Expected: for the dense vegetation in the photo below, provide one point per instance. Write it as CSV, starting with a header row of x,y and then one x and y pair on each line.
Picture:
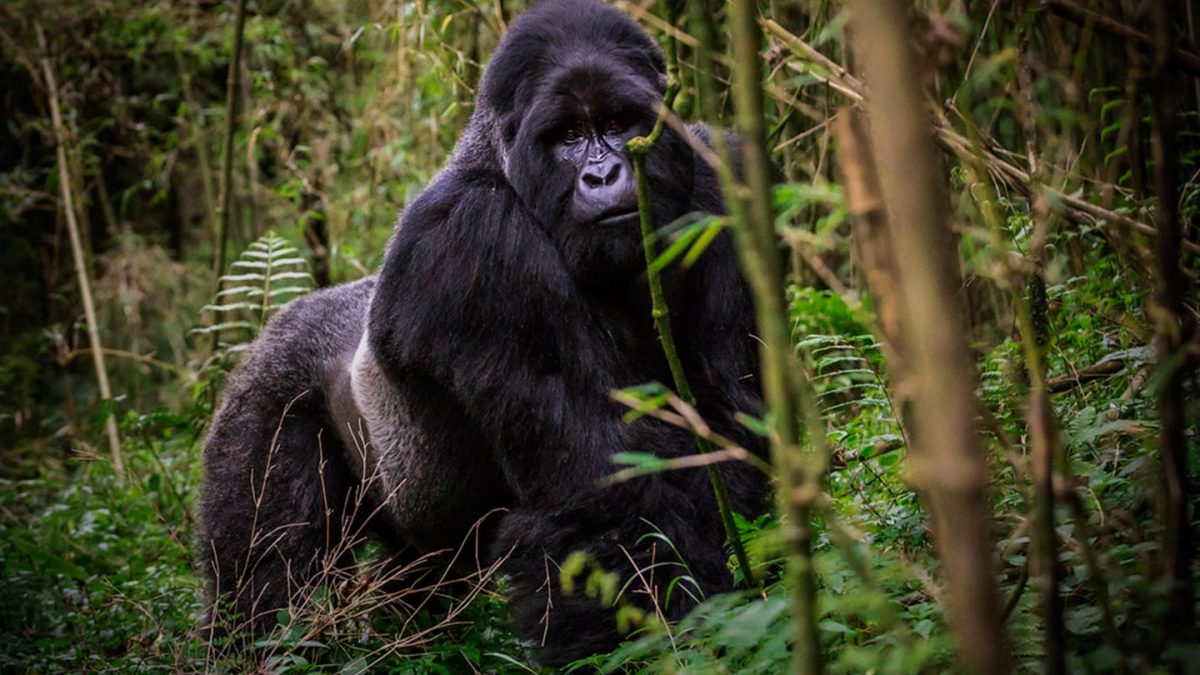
x,y
1057,142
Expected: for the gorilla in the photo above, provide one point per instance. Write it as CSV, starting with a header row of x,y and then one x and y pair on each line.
x,y
472,376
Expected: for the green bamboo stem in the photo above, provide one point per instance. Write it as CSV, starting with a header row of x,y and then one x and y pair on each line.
x,y
787,389
81,270
662,324
231,123
638,148
785,386
197,138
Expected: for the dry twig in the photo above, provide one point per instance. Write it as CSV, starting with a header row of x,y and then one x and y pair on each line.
x,y
85,288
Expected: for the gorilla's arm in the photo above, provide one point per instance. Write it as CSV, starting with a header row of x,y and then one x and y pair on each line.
x,y
474,297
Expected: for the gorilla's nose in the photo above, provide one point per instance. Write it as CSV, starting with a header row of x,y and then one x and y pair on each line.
x,y
604,180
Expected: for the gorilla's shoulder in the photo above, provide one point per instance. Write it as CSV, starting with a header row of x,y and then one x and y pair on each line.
x,y
457,182
460,197
291,353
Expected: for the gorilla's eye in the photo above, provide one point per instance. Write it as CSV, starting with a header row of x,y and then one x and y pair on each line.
x,y
616,126
571,135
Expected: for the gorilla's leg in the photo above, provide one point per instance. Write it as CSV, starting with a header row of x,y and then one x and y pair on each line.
x,y
275,510
280,505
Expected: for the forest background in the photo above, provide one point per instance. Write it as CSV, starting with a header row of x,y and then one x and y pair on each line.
x,y
986,450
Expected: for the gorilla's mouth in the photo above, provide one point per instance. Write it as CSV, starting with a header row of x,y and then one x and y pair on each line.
x,y
611,218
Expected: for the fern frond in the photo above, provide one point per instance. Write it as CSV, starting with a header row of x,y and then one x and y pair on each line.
x,y
270,272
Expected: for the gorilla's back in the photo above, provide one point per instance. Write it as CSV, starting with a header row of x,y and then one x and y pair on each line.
x,y
303,343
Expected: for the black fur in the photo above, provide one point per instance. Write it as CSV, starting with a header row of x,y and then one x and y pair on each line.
x,y
482,357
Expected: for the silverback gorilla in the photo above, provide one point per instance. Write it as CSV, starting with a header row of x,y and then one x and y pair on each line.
x,y
479,362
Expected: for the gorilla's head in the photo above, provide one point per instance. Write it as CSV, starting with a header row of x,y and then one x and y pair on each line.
x,y
570,84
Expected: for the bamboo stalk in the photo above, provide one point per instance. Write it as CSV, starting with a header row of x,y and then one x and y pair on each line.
x,y
785,385
85,288
197,136
638,149
777,358
869,230
1173,330
1043,427
232,77
1044,439
947,452
662,324
231,123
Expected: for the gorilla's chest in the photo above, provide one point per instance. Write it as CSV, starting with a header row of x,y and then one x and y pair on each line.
x,y
625,318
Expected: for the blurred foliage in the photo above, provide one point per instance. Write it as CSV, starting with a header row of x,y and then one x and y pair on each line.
x,y
349,109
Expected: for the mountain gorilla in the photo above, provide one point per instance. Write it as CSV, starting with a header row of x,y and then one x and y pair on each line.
x,y
479,363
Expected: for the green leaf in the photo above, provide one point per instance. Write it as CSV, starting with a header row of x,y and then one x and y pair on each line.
x,y
830,626
1083,620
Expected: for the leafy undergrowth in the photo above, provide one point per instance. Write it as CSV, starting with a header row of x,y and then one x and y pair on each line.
x,y
96,574
99,576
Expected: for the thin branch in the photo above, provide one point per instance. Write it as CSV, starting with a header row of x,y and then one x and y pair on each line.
x,y
841,459
1044,439
1073,11
197,137
639,147
844,78
1043,425
232,112
1075,209
180,371
1097,371
685,416
85,288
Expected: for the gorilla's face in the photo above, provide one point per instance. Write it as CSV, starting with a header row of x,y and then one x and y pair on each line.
x,y
569,164
570,84
577,132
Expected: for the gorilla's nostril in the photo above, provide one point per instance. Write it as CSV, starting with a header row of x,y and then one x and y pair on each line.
x,y
614,173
